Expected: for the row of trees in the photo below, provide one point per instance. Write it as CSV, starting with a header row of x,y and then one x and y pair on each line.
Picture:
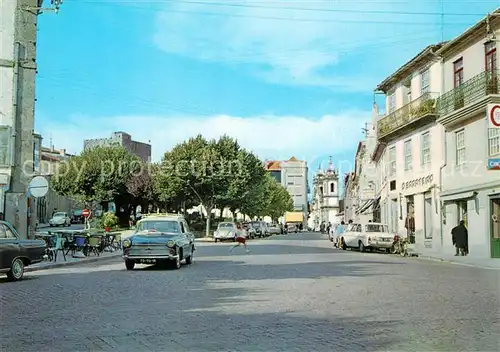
x,y
217,174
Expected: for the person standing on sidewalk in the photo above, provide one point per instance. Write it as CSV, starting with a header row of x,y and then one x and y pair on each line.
x,y
241,238
459,236
339,232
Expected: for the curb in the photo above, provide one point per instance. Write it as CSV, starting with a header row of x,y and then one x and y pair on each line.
x,y
207,240
442,260
64,264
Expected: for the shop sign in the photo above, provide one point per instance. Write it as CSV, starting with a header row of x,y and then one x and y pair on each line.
x,y
494,164
421,181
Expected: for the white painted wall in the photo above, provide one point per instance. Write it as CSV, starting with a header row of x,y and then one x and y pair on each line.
x,y
7,15
435,82
473,62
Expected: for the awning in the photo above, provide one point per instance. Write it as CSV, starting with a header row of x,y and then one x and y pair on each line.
x,y
458,196
365,206
294,217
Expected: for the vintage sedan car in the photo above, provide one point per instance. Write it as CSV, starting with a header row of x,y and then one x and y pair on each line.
x,y
160,239
275,229
251,233
225,231
368,236
261,228
17,253
60,219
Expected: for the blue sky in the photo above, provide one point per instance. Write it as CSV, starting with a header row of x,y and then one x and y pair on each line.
x,y
284,77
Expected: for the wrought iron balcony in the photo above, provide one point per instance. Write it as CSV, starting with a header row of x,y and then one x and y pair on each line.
x,y
399,121
470,91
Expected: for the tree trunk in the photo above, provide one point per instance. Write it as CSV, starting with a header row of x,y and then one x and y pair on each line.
x,y
209,218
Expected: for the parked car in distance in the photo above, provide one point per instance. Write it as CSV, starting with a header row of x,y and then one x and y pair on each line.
x,y
261,228
77,217
17,253
225,231
274,229
159,239
60,219
251,233
368,236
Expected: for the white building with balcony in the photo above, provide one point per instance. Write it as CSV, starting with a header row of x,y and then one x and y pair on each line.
x,y
409,151
470,186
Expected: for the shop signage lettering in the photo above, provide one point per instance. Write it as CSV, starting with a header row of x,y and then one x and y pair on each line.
x,y
417,182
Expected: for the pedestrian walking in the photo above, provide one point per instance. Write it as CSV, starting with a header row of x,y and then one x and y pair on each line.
x,y
460,236
339,231
241,238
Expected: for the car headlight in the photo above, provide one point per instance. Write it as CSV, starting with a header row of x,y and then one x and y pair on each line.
x,y
170,243
127,243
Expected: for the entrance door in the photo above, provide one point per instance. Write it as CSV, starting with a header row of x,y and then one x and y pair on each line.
x,y
495,228
428,217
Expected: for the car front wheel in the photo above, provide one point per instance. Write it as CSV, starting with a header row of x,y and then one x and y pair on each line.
x,y
16,271
129,264
189,260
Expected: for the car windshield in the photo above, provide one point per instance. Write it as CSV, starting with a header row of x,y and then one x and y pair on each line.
x,y
159,226
375,228
59,215
226,225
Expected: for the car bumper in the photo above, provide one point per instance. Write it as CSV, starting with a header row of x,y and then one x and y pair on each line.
x,y
149,257
384,245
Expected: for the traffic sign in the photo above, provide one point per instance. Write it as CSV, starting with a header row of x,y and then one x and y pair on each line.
x,y
493,115
38,187
86,213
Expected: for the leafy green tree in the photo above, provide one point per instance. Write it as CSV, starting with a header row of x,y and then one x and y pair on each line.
x,y
245,173
99,174
279,200
195,170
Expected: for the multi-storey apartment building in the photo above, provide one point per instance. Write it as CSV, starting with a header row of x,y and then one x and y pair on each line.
x,y
409,151
292,174
470,189
142,150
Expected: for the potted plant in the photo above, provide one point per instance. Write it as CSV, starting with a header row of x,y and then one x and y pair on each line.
x,y
109,220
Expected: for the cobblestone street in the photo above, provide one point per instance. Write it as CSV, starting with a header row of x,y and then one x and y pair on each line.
x,y
291,293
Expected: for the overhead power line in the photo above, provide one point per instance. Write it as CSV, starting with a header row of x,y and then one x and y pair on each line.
x,y
276,18
255,5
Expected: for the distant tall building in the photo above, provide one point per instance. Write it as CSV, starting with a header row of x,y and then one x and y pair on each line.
x,y
292,174
142,150
326,204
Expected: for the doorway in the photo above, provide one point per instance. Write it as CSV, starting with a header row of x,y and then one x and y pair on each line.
x,y
428,216
495,227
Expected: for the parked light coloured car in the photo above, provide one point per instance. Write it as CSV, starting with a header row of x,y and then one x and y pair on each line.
x,y
368,236
159,239
251,233
60,219
17,253
274,229
261,228
225,231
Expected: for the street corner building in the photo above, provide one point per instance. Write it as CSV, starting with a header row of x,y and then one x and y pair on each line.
x,y
468,109
437,142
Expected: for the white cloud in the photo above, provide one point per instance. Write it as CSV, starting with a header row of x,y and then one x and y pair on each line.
x,y
270,137
297,51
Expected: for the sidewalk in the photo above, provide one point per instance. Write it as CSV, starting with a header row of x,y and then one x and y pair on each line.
x,y
484,263
204,239
75,261
70,261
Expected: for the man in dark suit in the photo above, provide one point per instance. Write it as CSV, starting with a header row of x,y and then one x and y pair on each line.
x,y
460,236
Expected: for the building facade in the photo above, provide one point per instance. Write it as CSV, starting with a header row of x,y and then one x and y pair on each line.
x,y
292,174
18,36
470,188
326,202
409,151
142,150
50,159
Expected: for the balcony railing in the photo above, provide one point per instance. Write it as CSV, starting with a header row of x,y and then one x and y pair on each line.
x,y
409,113
470,91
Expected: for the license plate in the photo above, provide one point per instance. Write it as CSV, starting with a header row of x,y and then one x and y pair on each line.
x,y
148,261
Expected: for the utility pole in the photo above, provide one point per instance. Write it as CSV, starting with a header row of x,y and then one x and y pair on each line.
x,y
18,207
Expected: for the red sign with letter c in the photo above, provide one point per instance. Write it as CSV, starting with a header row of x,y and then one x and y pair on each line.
x,y
495,116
